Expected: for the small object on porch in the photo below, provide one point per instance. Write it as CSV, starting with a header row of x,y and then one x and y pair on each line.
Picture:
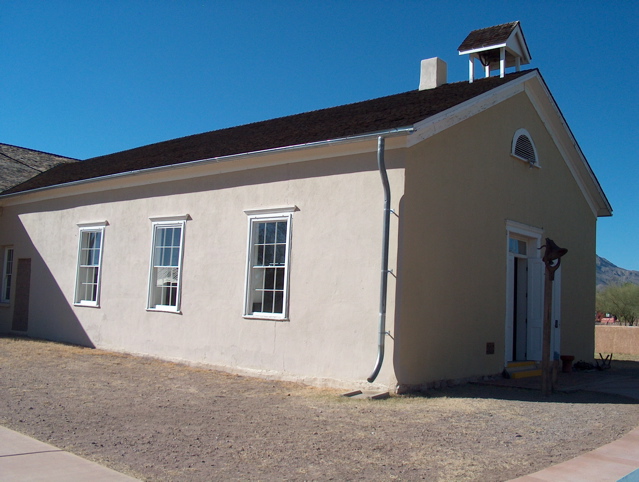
x,y
566,365
605,362
584,366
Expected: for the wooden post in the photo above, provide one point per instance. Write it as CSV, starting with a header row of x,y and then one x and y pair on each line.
x,y
546,377
552,260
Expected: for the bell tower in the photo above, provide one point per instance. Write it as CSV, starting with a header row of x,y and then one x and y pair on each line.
x,y
497,48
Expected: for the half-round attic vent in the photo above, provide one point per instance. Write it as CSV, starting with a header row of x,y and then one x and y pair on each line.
x,y
523,148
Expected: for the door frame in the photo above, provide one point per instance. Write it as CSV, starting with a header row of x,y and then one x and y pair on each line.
x,y
532,237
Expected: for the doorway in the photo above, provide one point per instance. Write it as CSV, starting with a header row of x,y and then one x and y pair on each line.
x,y
20,320
524,294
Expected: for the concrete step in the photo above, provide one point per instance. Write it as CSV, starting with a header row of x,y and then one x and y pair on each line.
x,y
526,374
519,364
523,369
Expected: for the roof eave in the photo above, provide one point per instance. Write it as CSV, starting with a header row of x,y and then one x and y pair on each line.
x,y
393,132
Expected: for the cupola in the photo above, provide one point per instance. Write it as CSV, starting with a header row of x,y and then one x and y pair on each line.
x,y
497,48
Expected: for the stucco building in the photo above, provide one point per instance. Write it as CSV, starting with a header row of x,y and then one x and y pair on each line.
x,y
306,247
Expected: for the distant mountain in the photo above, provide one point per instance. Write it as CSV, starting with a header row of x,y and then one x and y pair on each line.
x,y
608,274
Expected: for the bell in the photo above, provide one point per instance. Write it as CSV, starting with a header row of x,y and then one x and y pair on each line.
x,y
553,252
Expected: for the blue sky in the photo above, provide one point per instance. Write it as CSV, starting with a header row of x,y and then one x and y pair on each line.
x,y
86,78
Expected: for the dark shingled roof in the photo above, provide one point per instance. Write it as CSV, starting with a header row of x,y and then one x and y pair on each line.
x,y
395,111
486,37
18,164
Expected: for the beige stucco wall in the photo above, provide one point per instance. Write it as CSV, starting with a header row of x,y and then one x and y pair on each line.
x,y
460,190
331,337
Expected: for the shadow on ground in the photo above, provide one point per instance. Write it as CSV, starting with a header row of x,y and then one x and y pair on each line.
x,y
586,386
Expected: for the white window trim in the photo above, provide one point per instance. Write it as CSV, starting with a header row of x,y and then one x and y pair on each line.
x,y
91,227
3,284
269,214
523,229
267,211
524,132
95,224
167,221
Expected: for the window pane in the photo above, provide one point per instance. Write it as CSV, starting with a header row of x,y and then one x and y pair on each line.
x,y
269,278
281,232
270,233
175,256
269,255
279,279
260,232
177,234
278,302
260,255
267,306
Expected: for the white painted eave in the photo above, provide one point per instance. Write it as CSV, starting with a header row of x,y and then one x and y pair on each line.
x,y
186,170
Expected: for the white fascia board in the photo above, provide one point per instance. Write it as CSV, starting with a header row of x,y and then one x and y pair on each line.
x,y
212,166
557,127
450,117
483,49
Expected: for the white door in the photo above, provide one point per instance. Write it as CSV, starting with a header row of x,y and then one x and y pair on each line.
x,y
535,326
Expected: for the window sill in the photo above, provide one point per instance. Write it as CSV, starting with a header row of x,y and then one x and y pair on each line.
x,y
165,309
87,304
264,316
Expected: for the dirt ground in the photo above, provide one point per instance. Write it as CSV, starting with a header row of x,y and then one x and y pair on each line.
x,y
163,421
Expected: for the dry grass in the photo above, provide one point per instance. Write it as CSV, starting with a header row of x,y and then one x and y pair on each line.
x,y
164,421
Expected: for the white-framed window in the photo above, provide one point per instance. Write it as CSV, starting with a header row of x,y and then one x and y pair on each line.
x,y
7,274
268,263
523,148
166,263
89,269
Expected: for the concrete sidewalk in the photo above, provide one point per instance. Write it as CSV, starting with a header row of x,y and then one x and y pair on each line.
x,y
613,462
616,461
23,458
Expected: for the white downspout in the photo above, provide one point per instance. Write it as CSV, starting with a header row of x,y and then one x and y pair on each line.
x,y
383,288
